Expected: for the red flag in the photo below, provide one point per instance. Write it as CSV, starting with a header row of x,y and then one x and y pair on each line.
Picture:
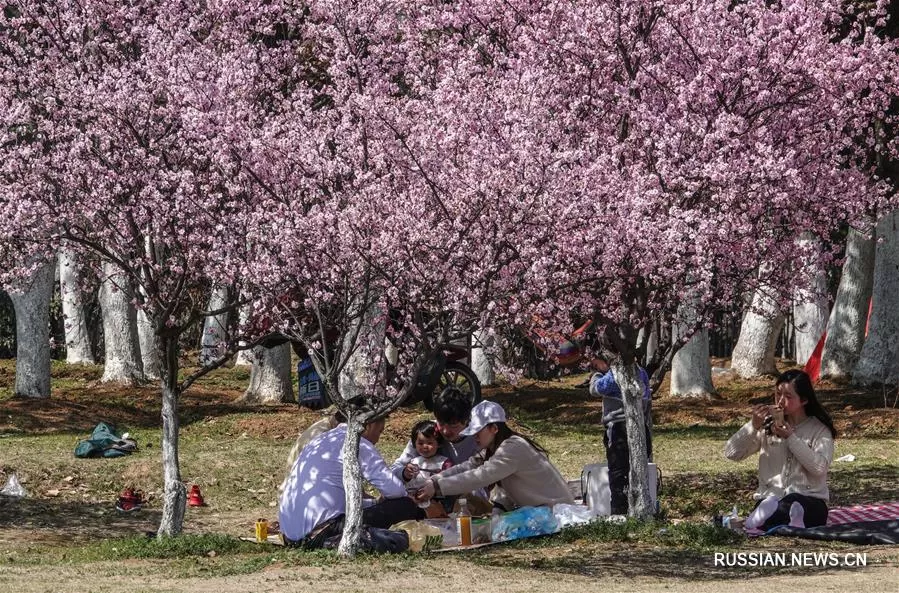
x,y
813,366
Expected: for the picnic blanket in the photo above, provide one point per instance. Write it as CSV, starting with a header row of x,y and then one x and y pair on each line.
x,y
879,511
860,524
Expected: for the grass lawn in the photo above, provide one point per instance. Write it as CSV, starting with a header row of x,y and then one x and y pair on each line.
x,y
67,526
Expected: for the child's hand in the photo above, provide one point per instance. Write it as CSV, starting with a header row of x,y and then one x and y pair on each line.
x,y
410,471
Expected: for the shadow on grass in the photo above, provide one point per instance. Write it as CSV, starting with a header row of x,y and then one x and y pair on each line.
x,y
703,494
863,484
720,433
48,521
80,412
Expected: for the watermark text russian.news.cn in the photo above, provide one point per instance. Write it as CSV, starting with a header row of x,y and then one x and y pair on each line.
x,y
791,559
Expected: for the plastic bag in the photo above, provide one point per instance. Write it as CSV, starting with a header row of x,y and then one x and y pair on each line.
x,y
448,529
422,537
14,488
524,522
572,514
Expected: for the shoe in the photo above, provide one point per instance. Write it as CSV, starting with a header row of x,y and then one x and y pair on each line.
x,y
125,506
129,500
195,499
131,495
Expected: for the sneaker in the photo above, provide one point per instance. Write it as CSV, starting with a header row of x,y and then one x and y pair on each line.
x,y
132,496
129,500
126,506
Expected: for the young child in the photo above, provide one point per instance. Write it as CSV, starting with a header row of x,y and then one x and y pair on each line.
x,y
604,385
427,440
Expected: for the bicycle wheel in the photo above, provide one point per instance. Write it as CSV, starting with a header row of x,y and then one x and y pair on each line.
x,y
458,375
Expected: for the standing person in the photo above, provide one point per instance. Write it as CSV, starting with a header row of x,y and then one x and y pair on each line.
x,y
312,506
452,409
618,456
516,467
795,442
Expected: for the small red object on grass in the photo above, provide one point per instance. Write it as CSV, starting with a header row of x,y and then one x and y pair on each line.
x,y
195,499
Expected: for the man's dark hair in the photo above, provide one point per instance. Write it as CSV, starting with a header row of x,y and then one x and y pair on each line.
x,y
452,405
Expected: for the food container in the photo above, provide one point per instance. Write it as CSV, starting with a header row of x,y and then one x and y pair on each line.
x,y
480,531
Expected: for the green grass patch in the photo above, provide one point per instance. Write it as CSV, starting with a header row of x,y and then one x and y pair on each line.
x,y
161,547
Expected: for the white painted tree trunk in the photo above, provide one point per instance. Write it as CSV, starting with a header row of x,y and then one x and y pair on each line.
x,y
78,343
270,377
810,309
32,306
352,483
650,335
639,501
482,357
849,317
174,499
878,362
753,355
123,363
244,358
214,340
367,362
691,368
360,377
149,355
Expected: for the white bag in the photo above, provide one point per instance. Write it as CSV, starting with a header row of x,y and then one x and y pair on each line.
x,y
595,485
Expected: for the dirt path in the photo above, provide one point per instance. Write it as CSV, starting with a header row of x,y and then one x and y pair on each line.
x,y
441,574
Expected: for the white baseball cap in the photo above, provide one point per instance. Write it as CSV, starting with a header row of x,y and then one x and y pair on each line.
x,y
483,414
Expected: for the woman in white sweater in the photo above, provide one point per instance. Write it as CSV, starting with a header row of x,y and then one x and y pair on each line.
x,y
795,442
517,468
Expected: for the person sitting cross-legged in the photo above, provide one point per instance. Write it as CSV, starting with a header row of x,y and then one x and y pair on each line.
x,y
312,505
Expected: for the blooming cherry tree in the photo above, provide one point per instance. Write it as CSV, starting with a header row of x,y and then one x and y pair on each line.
x,y
106,127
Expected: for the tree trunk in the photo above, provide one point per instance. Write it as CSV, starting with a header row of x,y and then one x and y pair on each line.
x,y
849,317
879,358
215,328
691,368
32,307
244,357
78,343
270,377
481,361
753,355
175,497
149,353
810,303
123,363
639,501
366,365
352,484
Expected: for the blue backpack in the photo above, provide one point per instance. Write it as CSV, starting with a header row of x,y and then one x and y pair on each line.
x,y
311,389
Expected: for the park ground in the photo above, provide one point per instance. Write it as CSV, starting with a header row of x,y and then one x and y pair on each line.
x,y
67,536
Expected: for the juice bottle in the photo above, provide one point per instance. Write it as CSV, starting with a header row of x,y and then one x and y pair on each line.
x,y
464,523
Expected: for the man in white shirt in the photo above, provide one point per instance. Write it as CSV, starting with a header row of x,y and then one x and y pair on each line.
x,y
313,503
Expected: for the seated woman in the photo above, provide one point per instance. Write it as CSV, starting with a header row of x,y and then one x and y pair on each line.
x,y
795,440
518,466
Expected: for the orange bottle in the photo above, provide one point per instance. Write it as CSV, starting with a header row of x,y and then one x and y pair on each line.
x,y
464,523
